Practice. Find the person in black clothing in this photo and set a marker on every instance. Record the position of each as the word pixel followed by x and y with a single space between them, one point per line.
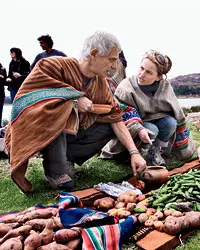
pixel 46 44
pixel 19 68
pixel 3 76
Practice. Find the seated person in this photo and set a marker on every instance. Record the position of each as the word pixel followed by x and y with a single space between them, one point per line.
pixel 159 110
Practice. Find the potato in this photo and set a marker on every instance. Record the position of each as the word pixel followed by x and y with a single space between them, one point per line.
pixel 33 241
pixel 12 244
pixel 159 215
pixel 47 234
pixel 54 246
pixel 153 217
pixel 172 225
pixel 130 206
pixel 177 214
pixel 36 214
pixel 126 198
pixel 20 231
pixel 10 218
pixel 4 228
pixel 123 214
pixel 74 244
pixel 168 212
pixel 131 193
pixel 120 204
pixel 140 197
pixel 149 223
pixel 104 203
pixel 151 211
pixel 37 224
pixel 142 218
pixel 158 225
pixel 65 235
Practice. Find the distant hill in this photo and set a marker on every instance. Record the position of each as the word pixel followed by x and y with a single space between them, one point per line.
pixel 186 85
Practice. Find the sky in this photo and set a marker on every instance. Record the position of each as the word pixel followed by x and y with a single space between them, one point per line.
pixel 171 27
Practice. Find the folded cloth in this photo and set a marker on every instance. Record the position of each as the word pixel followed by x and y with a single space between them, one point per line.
pixel 108 237
pixel 99 230
pixel 72 213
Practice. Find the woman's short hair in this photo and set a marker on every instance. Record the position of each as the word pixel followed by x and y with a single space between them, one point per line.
pixel 102 41
pixel 47 39
pixel 163 62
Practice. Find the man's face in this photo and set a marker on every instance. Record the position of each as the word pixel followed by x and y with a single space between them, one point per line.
pixel 103 65
pixel 43 45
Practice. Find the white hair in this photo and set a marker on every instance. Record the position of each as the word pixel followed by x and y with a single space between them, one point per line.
pixel 102 41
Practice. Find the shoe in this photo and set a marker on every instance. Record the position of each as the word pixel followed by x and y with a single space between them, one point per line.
pixel 60 182
pixel 154 157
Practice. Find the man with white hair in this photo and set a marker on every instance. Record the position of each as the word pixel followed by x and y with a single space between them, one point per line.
pixel 65 110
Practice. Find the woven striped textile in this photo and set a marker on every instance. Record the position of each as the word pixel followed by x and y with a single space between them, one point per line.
pixel 43 107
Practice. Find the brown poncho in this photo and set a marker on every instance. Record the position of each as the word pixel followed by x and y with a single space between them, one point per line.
pixel 43 107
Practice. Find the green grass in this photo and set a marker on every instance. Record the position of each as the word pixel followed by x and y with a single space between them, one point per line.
pixel 90 173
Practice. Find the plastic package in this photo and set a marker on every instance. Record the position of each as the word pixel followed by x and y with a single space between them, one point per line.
pixel 115 189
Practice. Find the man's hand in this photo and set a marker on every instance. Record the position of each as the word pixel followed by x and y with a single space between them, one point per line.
pixel 138 163
pixel 84 104
pixel 144 135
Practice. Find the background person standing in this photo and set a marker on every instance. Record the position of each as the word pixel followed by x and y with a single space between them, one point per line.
pixel 3 76
pixel 19 68
pixel 46 43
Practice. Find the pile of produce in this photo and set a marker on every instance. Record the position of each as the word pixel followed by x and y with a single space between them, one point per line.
pixel 172 208
pixel 179 188
pixel 34 229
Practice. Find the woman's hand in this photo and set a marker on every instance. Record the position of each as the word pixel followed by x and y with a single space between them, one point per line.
pixel 84 104
pixel 144 135
pixel 8 80
pixel 1 76
pixel 16 74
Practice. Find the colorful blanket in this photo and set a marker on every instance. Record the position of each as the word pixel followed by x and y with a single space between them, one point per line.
pixel 99 230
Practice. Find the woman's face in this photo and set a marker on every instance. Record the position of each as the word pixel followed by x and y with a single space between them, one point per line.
pixel 13 55
pixel 147 73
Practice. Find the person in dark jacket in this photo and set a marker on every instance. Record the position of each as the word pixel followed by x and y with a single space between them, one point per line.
pixel 46 44
pixel 3 76
pixel 19 68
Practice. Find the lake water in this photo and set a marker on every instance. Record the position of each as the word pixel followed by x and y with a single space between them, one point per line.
pixel 186 103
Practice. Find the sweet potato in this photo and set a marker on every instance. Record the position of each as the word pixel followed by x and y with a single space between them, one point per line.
pixel 12 244
pixel 54 246
pixel 74 244
pixel 4 228
pixel 10 218
pixel 47 234
pixel 37 224
pixel 57 222
pixel 36 214
pixel 33 241
pixel 23 230
pixel 65 235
